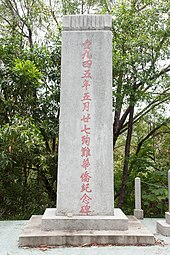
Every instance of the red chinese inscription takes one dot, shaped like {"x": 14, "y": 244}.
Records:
{"x": 86, "y": 163}
{"x": 86, "y": 84}
{"x": 86, "y": 100}
{"x": 85, "y": 209}
{"x": 85, "y": 187}
{"x": 86, "y": 106}
{"x": 87, "y": 44}
{"x": 85, "y": 199}
{"x": 86, "y": 130}
{"x": 85, "y": 177}
{"x": 86, "y": 118}
{"x": 86, "y": 96}
{"x": 87, "y": 74}
{"x": 85, "y": 140}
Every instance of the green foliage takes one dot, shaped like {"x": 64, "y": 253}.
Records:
{"x": 155, "y": 193}
{"x": 24, "y": 161}
{"x": 141, "y": 39}
{"x": 140, "y": 83}
{"x": 151, "y": 164}
{"x": 29, "y": 96}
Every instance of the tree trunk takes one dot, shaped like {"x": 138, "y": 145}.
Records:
{"x": 118, "y": 107}
{"x": 126, "y": 160}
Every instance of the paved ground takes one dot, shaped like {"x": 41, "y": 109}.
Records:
{"x": 10, "y": 230}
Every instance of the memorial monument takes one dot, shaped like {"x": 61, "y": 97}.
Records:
{"x": 85, "y": 210}
{"x": 85, "y": 173}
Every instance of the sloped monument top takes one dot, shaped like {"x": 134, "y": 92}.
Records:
{"x": 87, "y": 22}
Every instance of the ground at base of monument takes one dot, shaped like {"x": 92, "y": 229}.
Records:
{"x": 33, "y": 236}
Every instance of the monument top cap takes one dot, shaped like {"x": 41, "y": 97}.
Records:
{"x": 87, "y": 22}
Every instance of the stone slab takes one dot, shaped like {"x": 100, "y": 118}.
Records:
{"x": 138, "y": 213}
{"x": 33, "y": 236}
{"x": 51, "y": 221}
{"x": 73, "y": 108}
{"x": 167, "y": 217}
{"x": 163, "y": 227}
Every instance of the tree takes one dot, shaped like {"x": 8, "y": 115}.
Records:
{"x": 29, "y": 93}
{"x": 140, "y": 42}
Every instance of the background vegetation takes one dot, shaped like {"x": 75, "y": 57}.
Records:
{"x": 30, "y": 57}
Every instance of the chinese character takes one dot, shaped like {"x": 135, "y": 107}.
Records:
{"x": 86, "y": 106}
{"x": 85, "y": 140}
{"x": 87, "y": 63}
{"x": 86, "y": 84}
{"x": 85, "y": 199}
{"x": 86, "y": 130}
{"x": 85, "y": 177}
{"x": 85, "y": 187}
{"x": 87, "y": 44}
{"x": 85, "y": 209}
{"x": 86, "y": 163}
{"x": 87, "y": 74}
{"x": 86, "y": 97}
{"x": 85, "y": 152}
{"x": 86, "y": 118}
{"x": 86, "y": 54}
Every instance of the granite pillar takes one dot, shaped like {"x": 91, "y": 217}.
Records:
{"x": 138, "y": 212}
{"x": 85, "y": 138}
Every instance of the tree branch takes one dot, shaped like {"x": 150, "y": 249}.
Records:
{"x": 52, "y": 13}
{"x": 150, "y": 134}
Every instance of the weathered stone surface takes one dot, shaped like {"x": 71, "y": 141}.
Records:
{"x": 138, "y": 213}
{"x": 137, "y": 193}
{"x": 100, "y": 123}
{"x": 163, "y": 227}
{"x": 52, "y": 222}
{"x": 87, "y": 22}
{"x": 167, "y": 217}
{"x": 137, "y": 234}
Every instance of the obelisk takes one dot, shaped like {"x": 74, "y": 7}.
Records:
{"x": 85, "y": 189}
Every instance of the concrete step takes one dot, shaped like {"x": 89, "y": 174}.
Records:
{"x": 33, "y": 236}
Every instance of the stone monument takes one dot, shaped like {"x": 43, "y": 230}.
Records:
{"x": 85, "y": 210}
{"x": 163, "y": 226}
{"x": 138, "y": 212}
{"x": 85, "y": 174}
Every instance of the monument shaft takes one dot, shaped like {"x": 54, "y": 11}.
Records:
{"x": 85, "y": 172}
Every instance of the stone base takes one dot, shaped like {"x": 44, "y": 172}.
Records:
{"x": 163, "y": 227}
{"x": 51, "y": 221}
{"x": 33, "y": 236}
{"x": 167, "y": 217}
{"x": 138, "y": 213}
